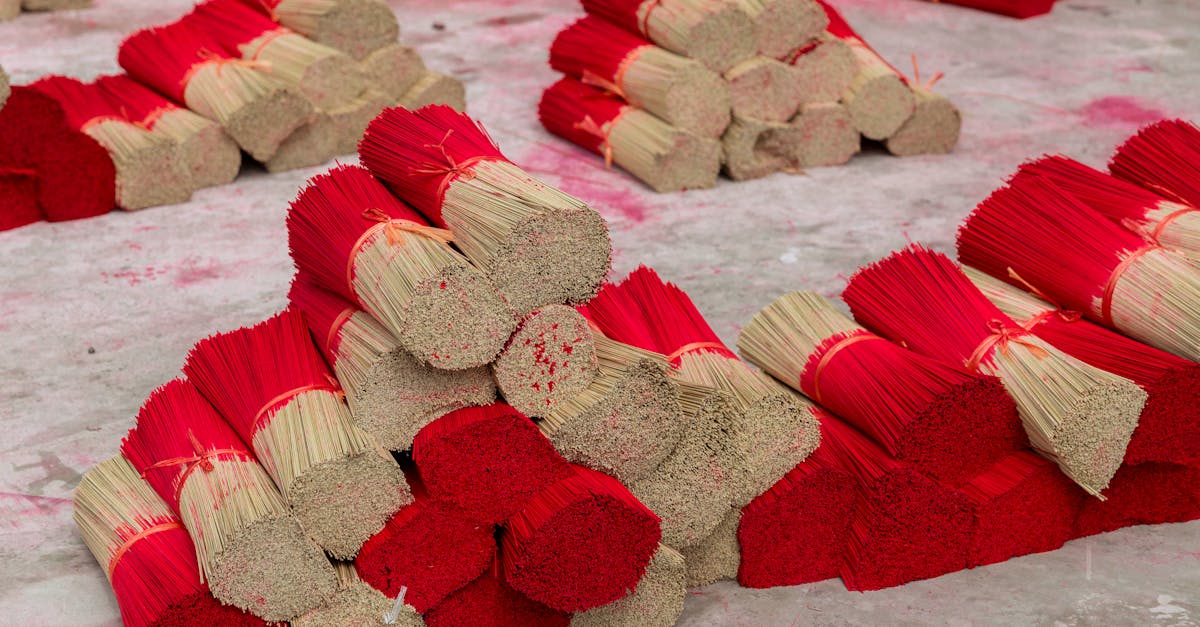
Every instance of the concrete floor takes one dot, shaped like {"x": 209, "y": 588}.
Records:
{"x": 95, "y": 314}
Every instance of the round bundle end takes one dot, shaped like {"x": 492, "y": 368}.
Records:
{"x": 456, "y": 319}
{"x": 210, "y": 157}
{"x": 1166, "y": 431}
{"x": 1091, "y": 438}
{"x": 932, "y": 129}
{"x": 550, "y": 358}
{"x": 264, "y": 123}
{"x": 763, "y": 89}
{"x": 784, "y": 24}
{"x": 149, "y": 170}
{"x": 489, "y": 601}
{"x": 357, "y": 605}
{"x": 825, "y": 71}
{"x": 698, "y": 100}
{"x": 202, "y": 609}
{"x": 657, "y": 601}
{"x": 1145, "y": 494}
{"x": 356, "y": 27}
{"x": 722, "y": 38}
{"x": 312, "y": 144}
{"x": 76, "y": 178}
{"x": 331, "y": 80}
{"x": 343, "y": 502}
{"x": 691, "y": 162}
{"x": 823, "y": 135}
{"x": 756, "y": 148}
{"x": 880, "y": 106}
{"x": 351, "y": 120}
{"x": 434, "y": 88}
{"x": 775, "y": 433}
{"x": 393, "y": 70}
{"x": 1036, "y": 515}
{"x": 716, "y": 558}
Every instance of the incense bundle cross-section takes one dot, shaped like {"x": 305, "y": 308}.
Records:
{"x": 550, "y": 359}
{"x": 356, "y": 27}
{"x": 716, "y": 33}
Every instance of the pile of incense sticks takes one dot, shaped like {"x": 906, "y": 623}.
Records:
{"x": 292, "y": 84}
{"x": 675, "y": 91}
{"x": 10, "y": 9}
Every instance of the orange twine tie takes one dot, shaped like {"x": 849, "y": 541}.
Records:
{"x": 589, "y": 126}
{"x": 202, "y": 459}
{"x": 100, "y": 119}
{"x": 336, "y": 327}
{"x": 452, "y": 170}
{"x": 644, "y": 23}
{"x": 134, "y": 539}
{"x": 827, "y": 357}
{"x": 209, "y": 57}
{"x": 1065, "y": 315}
{"x": 270, "y": 36}
{"x": 1165, "y": 222}
{"x": 693, "y": 347}
{"x": 1111, "y": 286}
{"x": 1001, "y": 337}
{"x": 917, "y": 76}
{"x": 329, "y": 386}
{"x": 394, "y": 228}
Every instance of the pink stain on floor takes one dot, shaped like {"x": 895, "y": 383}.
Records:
{"x": 193, "y": 271}
{"x": 1119, "y": 111}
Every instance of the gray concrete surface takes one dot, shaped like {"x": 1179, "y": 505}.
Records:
{"x": 95, "y": 314}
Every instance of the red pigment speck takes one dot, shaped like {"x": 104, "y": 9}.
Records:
{"x": 1119, "y": 111}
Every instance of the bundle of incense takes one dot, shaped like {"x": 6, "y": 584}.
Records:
{"x": 434, "y": 88}
{"x": 1022, "y": 505}
{"x": 781, "y": 26}
{"x": 948, "y": 422}
{"x": 5, "y": 88}
{"x": 879, "y": 98}
{"x": 538, "y": 245}
{"x": 47, "y": 170}
{"x": 932, "y": 129}
{"x": 716, "y": 33}
{"x": 1166, "y": 430}
{"x": 775, "y": 430}
{"x": 716, "y": 557}
{"x": 1143, "y": 494}
{"x": 550, "y": 359}
{"x": 656, "y": 602}
{"x": 1157, "y": 219}
{"x": 327, "y": 77}
{"x": 145, "y": 552}
{"x": 313, "y": 144}
{"x": 427, "y": 550}
{"x": 148, "y": 169}
{"x": 680, "y": 91}
{"x": 795, "y": 532}
{"x": 1042, "y": 234}
{"x": 356, "y": 604}
{"x": 1164, "y": 157}
{"x": 392, "y": 70}
{"x": 756, "y": 148}
{"x": 356, "y": 27}
{"x": 490, "y": 601}
{"x": 272, "y": 386}
{"x": 350, "y": 121}
{"x": 486, "y": 462}
{"x": 762, "y": 88}
{"x": 581, "y": 543}
{"x": 251, "y": 550}
{"x": 1079, "y": 416}
{"x": 9, "y": 9}
{"x": 626, "y": 422}
{"x": 664, "y": 157}
{"x": 391, "y": 394}
{"x": 54, "y": 5}
{"x": 822, "y": 134}
{"x": 1020, "y": 9}
{"x": 185, "y": 64}
{"x": 822, "y": 70}
{"x": 906, "y": 527}
{"x": 354, "y": 238}
{"x": 208, "y": 156}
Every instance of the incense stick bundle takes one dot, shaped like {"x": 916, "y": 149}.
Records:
{"x": 762, "y": 88}
{"x": 392, "y": 70}
{"x": 1143, "y": 494}
{"x": 54, "y": 5}
{"x": 5, "y": 88}
{"x": 932, "y": 129}
{"x": 1166, "y": 430}
{"x": 680, "y": 91}
{"x": 950, "y": 423}
{"x": 356, "y": 27}
{"x": 775, "y": 429}
{"x": 391, "y": 394}
{"x": 1079, "y": 416}
{"x": 822, "y": 134}
{"x": 656, "y": 602}
{"x": 822, "y": 70}
{"x": 149, "y": 172}
{"x": 795, "y": 532}
{"x": 781, "y": 26}
{"x": 271, "y": 385}
{"x": 1151, "y": 215}
{"x": 907, "y": 526}
{"x": 1086, "y": 263}
{"x": 356, "y": 239}
{"x": 312, "y": 144}
{"x": 350, "y": 121}
{"x": 538, "y": 245}
{"x": 486, "y": 462}
{"x": 1020, "y": 9}
{"x": 252, "y": 551}
{"x": 550, "y": 359}
{"x": 490, "y": 601}
{"x": 185, "y": 64}
{"x": 756, "y": 148}
{"x": 9, "y": 9}
{"x": 434, "y": 88}
{"x": 208, "y": 156}
{"x": 626, "y": 422}
{"x": 357, "y": 604}
{"x": 145, "y": 551}
{"x": 716, "y": 33}
{"x": 1162, "y": 157}
{"x": 327, "y": 77}
{"x": 582, "y": 543}
{"x": 1022, "y": 505}
{"x": 716, "y": 557}
{"x": 879, "y": 99}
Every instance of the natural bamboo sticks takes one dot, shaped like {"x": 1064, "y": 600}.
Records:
{"x": 716, "y": 33}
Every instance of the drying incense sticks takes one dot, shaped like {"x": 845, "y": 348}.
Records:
{"x": 1157, "y": 219}
{"x": 145, "y": 551}
{"x": 626, "y": 422}
{"x": 680, "y": 91}
{"x": 550, "y": 359}
{"x": 716, "y": 33}
{"x": 356, "y": 239}
{"x": 656, "y": 602}
{"x": 1086, "y": 263}
{"x": 1077, "y": 415}
{"x": 582, "y": 543}
{"x": 350, "y": 121}
{"x": 781, "y": 26}
{"x": 762, "y": 88}
{"x": 664, "y": 157}
{"x": 391, "y": 394}
{"x": 1164, "y": 157}
{"x": 1143, "y": 494}
{"x": 148, "y": 168}
{"x": 312, "y": 144}
{"x": 183, "y": 63}
{"x": 358, "y": 604}
{"x": 932, "y": 129}
{"x": 393, "y": 70}
{"x": 757, "y": 148}
{"x": 948, "y": 422}
{"x": 271, "y": 385}
{"x": 823, "y": 70}
{"x": 356, "y": 27}
{"x": 208, "y": 156}
{"x": 1166, "y": 430}
{"x": 822, "y": 134}
{"x": 1022, "y": 505}
{"x": 5, "y": 88}
{"x": 716, "y": 557}
{"x": 490, "y": 601}
{"x": 434, "y": 88}
{"x": 486, "y": 462}
{"x": 252, "y": 551}
{"x": 538, "y": 245}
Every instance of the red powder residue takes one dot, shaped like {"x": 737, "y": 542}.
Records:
{"x": 1120, "y": 111}
{"x": 193, "y": 271}
{"x": 612, "y": 201}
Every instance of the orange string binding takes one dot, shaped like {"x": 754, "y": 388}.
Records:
{"x": 1111, "y": 286}
{"x": 827, "y": 357}
{"x": 1001, "y": 337}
